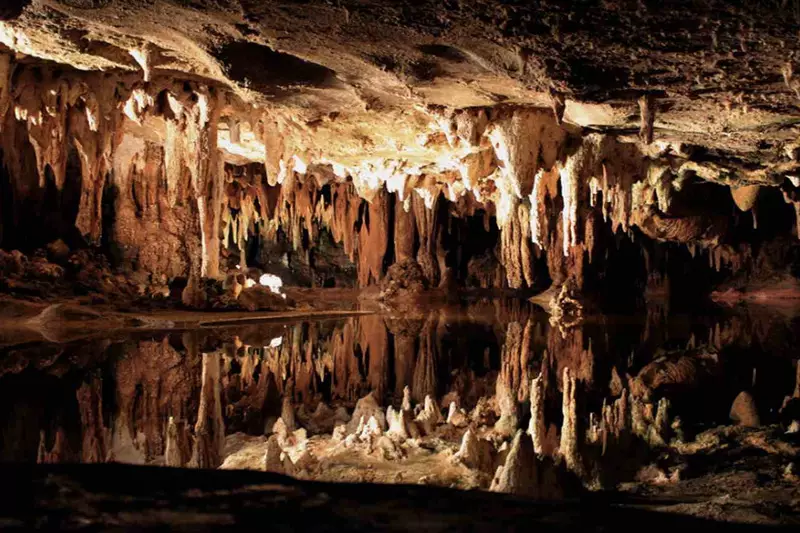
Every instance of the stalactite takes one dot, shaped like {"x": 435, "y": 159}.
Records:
{"x": 373, "y": 239}
{"x": 512, "y": 382}
{"x": 647, "y": 113}
{"x": 425, "y": 215}
{"x": 519, "y": 473}
{"x": 404, "y": 231}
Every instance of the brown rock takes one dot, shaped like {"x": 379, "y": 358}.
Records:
{"x": 744, "y": 411}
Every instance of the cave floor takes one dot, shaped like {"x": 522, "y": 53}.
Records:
{"x": 123, "y": 497}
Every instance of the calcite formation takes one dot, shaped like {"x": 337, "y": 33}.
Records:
{"x": 190, "y": 148}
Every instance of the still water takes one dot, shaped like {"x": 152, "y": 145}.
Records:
{"x": 101, "y": 399}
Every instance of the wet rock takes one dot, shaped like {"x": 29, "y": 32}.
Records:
{"x": 339, "y": 433}
{"x": 234, "y": 284}
{"x": 387, "y": 449}
{"x": 686, "y": 370}
{"x": 744, "y": 411}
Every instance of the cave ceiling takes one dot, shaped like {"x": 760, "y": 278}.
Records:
{"x": 364, "y": 79}
{"x": 545, "y": 114}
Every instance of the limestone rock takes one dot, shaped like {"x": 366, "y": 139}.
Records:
{"x": 406, "y": 406}
{"x": 429, "y": 417}
{"x": 398, "y": 423}
{"x": 474, "y": 452}
{"x": 366, "y": 408}
{"x": 456, "y": 416}
{"x": 518, "y": 474}
{"x": 288, "y": 415}
{"x": 744, "y": 411}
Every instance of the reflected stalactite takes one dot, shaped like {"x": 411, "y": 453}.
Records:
{"x": 513, "y": 380}
{"x": 347, "y": 378}
{"x": 209, "y": 431}
{"x": 405, "y": 333}
{"x": 154, "y": 381}
{"x": 59, "y": 452}
{"x": 373, "y": 340}
{"x": 475, "y": 363}
{"x": 425, "y": 381}
{"x": 95, "y": 436}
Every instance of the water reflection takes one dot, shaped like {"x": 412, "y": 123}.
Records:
{"x": 173, "y": 397}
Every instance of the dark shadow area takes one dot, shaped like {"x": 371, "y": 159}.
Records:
{"x": 137, "y": 498}
{"x": 264, "y": 70}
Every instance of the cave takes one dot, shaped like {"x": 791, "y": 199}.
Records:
{"x": 534, "y": 262}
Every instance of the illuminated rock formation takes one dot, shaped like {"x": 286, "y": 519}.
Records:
{"x": 185, "y": 176}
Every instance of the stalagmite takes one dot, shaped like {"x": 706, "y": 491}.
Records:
{"x": 287, "y": 414}
{"x": 468, "y": 452}
{"x": 661, "y": 424}
{"x": 366, "y": 408}
{"x": 398, "y": 423}
{"x": 519, "y": 473}
{"x": 272, "y": 457}
{"x": 474, "y": 452}
{"x": 406, "y": 406}
{"x": 456, "y": 416}
{"x": 429, "y": 417}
